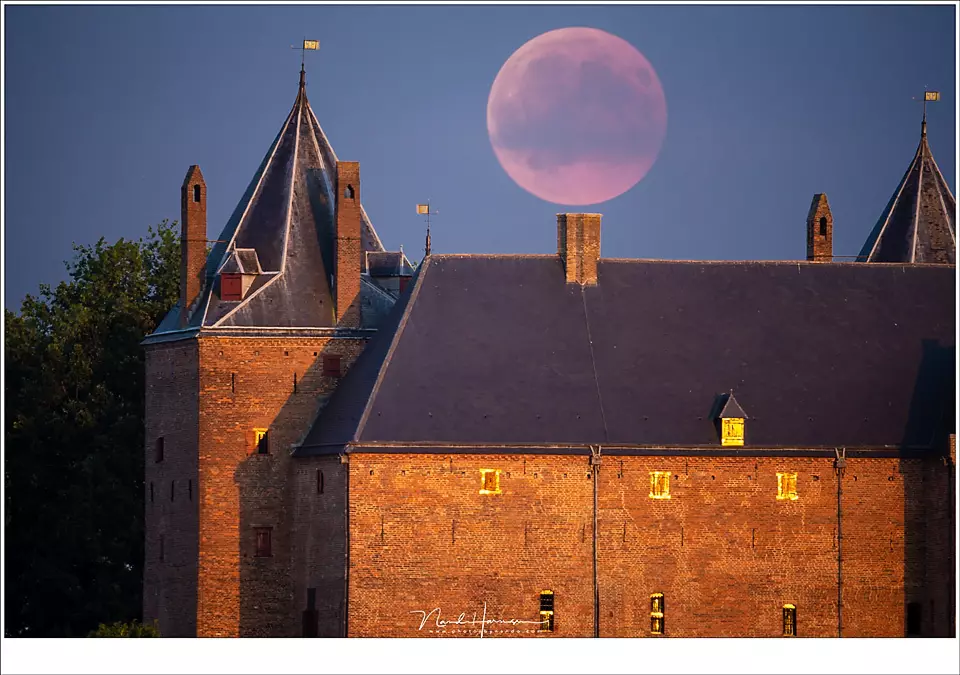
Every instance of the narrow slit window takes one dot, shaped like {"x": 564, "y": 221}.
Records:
{"x": 151, "y": 492}
{"x": 319, "y": 482}
{"x": 914, "y": 618}
{"x": 656, "y": 613}
{"x": 158, "y": 450}
{"x": 789, "y": 621}
{"x": 190, "y": 490}
{"x": 261, "y": 441}
{"x": 489, "y": 481}
{"x": 787, "y": 486}
{"x": 331, "y": 365}
{"x": 233, "y": 383}
{"x": 264, "y": 543}
{"x": 171, "y": 491}
{"x": 546, "y": 612}
{"x": 660, "y": 484}
{"x": 196, "y": 193}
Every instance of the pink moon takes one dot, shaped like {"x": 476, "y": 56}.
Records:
{"x": 577, "y": 116}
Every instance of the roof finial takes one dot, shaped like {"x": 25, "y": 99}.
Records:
{"x": 424, "y": 210}
{"x": 927, "y": 96}
{"x": 307, "y": 44}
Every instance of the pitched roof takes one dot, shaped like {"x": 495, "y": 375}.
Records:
{"x": 388, "y": 264}
{"x": 500, "y": 350}
{"x": 283, "y": 226}
{"x": 918, "y": 223}
{"x": 731, "y": 408}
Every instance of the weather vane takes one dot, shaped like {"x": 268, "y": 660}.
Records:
{"x": 313, "y": 45}
{"x": 424, "y": 210}
{"x": 927, "y": 96}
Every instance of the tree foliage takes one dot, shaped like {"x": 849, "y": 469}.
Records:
{"x": 121, "y": 629}
{"x": 73, "y": 475}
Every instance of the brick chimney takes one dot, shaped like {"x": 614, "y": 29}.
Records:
{"x": 820, "y": 230}
{"x": 578, "y": 244}
{"x": 347, "y": 254}
{"x": 193, "y": 240}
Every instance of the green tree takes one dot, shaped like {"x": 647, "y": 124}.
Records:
{"x": 132, "y": 629}
{"x": 73, "y": 474}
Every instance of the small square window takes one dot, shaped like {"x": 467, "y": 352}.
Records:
{"x": 231, "y": 287}
{"x": 489, "y": 481}
{"x": 261, "y": 440}
{"x": 789, "y": 621}
{"x": 660, "y": 484}
{"x": 331, "y": 365}
{"x": 787, "y": 486}
{"x": 546, "y": 612}
{"x": 158, "y": 450}
{"x": 656, "y": 613}
{"x": 264, "y": 535}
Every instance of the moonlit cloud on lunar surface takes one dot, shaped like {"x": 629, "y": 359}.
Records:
{"x": 576, "y": 116}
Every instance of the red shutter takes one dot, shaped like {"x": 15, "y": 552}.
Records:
{"x": 231, "y": 287}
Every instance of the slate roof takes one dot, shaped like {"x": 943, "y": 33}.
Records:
{"x": 500, "y": 351}
{"x": 283, "y": 226}
{"x": 388, "y": 264}
{"x": 918, "y": 224}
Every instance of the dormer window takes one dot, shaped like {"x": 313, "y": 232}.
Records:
{"x": 731, "y": 422}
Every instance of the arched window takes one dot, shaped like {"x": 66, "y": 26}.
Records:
{"x": 348, "y": 192}
{"x": 823, "y": 226}
{"x": 196, "y": 193}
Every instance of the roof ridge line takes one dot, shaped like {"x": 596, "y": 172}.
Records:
{"x": 916, "y": 210}
{"x": 421, "y": 274}
{"x": 301, "y": 97}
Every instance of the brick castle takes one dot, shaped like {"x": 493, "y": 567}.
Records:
{"x": 340, "y": 444}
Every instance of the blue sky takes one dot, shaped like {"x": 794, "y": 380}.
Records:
{"x": 107, "y": 106}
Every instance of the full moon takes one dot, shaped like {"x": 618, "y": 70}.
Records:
{"x": 576, "y": 116}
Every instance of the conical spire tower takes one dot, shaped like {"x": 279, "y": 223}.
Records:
{"x": 918, "y": 225}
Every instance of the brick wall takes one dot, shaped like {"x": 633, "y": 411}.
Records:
{"x": 422, "y": 538}
{"x": 724, "y": 551}
{"x": 170, "y": 584}
{"x": 319, "y": 540}
{"x": 247, "y": 384}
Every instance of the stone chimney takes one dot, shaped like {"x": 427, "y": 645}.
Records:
{"x": 347, "y": 253}
{"x": 578, "y": 244}
{"x": 193, "y": 240}
{"x": 820, "y": 230}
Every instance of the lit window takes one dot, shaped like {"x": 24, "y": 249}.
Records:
{"x": 263, "y": 541}
{"x": 660, "y": 484}
{"x": 787, "y": 486}
{"x": 732, "y": 431}
{"x": 261, "y": 441}
{"x": 656, "y": 613}
{"x": 489, "y": 481}
{"x": 546, "y": 612}
{"x": 789, "y": 621}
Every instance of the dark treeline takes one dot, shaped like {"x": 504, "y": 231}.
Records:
{"x": 73, "y": 471}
